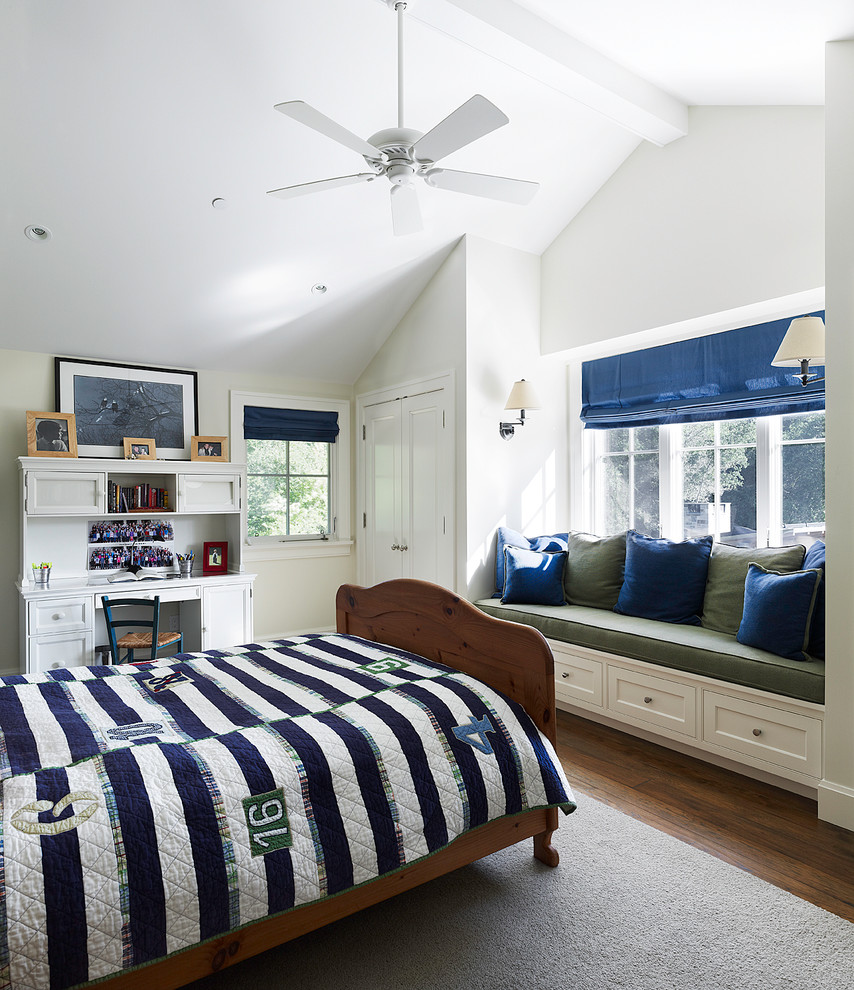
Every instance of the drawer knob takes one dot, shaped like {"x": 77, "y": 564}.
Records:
{"x": 564, "y": 674}
{"x": 54, "y": 666}
{"x": 647, "y": 700}
{"x": 757, "y": 732}
{"x": 57, "y": 616}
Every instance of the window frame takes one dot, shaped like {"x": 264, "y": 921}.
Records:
{"x": 339, "y": 539}
{"x": 769, "y": 475}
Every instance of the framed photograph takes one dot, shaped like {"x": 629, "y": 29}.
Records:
{"x": 140, "y": 448}
{"x": 51, "y": 434}
{"x": 111, "y": 401}
{"x": 209, "y": 448}
{"x": 215, "y": 558}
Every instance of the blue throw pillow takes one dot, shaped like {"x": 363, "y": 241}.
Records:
{"x": 533, "y": 578}
{"x": 509, "y": 537}
{"x": 777, "y": 611}
{"x": 664, "y": 580}
{"x": 815, "y": 558}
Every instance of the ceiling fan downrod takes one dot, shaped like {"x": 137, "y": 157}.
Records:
{"x": 399, "y": 8}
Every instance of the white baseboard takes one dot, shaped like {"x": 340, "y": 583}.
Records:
{"x": 836, "y": 804}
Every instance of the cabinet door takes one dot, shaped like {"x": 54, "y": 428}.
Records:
{"x": 208, "y": 493}
{"x": 52, "y": 652}
{"x": 67, "y": 493}
{"x": 226, "y": 616}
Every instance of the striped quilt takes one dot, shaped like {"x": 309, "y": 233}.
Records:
{"x": 149, "y": 808}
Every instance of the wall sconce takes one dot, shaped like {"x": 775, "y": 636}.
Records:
{"x": 522, "y": 397}
{"x": 804, "y": 342}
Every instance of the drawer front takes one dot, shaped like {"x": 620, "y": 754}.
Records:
{"x": 173, "y": 594}
{"x": 786, "y": 739}
{"x": 660, "y": 702}
{"x": 208, "y": 493}
{"x": 52, "y": 652}
{"x": 578, "y": 679}
{"x": 59, "y": 615}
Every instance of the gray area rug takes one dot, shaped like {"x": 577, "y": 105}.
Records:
{"x": 627, "y": 907}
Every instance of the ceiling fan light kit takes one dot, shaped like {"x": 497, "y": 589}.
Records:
{"x": 402, "y": 154}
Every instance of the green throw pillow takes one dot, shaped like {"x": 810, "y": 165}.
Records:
{"x": 594, "y": 569}
{"x": 724, "y": 602}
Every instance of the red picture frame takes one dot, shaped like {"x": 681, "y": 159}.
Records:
{"x": 215, "y": 557}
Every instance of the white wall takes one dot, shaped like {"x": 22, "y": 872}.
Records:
{"x": 732, "y": 214}
{"x": 521, "y": 482}
{"x": 290, "y": 595}
{"x": 836, "y": 795}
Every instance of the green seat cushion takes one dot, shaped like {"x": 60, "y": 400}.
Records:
{"x": 694, "y": 649}
{"x": 723, "y": 603}
{"x": 594, "y": 569}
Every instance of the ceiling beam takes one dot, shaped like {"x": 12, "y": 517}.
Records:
{"x": 519, "y": 38}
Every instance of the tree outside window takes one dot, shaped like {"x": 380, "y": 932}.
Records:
{"x": 287, "y": 488}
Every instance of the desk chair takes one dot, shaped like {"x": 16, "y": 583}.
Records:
{"x": 151, "y": 641}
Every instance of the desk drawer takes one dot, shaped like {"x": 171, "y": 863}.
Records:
{"x": 578, "y": 679}
{"x": 173, "y": 594}
{"x": 786, "y": 739}
{"x": 661, "y": 702}
{"x": 59, "y": 615}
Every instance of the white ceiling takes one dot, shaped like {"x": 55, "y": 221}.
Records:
{"x": 121, "y": 123}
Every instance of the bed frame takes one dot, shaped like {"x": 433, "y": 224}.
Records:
{"x": 434, "y": 623}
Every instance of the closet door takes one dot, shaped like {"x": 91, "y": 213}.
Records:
{"x": 382, "y": 448}
{"x": 409, "y": 460}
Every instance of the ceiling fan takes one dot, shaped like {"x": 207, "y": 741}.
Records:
{"x": 402, "y": 154}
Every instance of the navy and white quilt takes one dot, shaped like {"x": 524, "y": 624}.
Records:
{"x": 148, "y": 808}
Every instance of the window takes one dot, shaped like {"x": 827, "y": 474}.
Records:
{"x": 748, "y": 482}
{"x": 298, "y": 490}
{"x": 288, "y": 488}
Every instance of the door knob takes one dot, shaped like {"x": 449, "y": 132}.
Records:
{"x": 395, "y": 546}
{"x": 404, "y": 547}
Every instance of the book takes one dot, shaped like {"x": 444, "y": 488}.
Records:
{"x": 135, "y": 573}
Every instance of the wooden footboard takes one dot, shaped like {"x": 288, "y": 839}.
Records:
{"x": 432, "y": 622}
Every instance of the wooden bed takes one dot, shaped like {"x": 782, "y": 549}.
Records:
{"x": 435, "y": 623}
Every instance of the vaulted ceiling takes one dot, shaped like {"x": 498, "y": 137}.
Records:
{"x": 122, "y": 123}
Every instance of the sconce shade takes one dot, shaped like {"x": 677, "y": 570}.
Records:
{"x": 523, "y": 396}
{"x": 804, "y": 341}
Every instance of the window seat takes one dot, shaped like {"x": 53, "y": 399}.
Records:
{"x": 693, "y": 649}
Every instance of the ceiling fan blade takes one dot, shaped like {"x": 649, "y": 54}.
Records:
{"x": 467, "y": 123}
{"x": 288, "y": 192}
{"x": 475, "y": 184}
{"x": 405, "y": 212}
{"x": 324, "y": 125}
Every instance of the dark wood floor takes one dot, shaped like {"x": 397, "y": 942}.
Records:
{"x": 766, "y": 831}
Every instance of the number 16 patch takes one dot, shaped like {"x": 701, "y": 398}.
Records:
{"x": 267, "y": 822}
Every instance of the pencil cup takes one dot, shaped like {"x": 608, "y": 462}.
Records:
{"x": 41, "y": 575}
{"x": 186, "y": 568}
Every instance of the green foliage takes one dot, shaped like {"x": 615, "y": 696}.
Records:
{"x": 288, "y": 487}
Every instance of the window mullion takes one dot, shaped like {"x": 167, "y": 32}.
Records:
{"x": 769, "y": 479}
{"x": 670, "y": 480}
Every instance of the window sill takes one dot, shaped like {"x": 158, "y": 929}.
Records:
{"x": 297, "y": 549}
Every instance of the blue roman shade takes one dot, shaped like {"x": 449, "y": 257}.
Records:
{"x": 262, "y": 423}
{"x": 721, "y": 376}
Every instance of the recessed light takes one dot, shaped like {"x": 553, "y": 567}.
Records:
{"x": 319, "y": 289}
{"x": 219, "y": 203}
{"x": 35, "y": 232}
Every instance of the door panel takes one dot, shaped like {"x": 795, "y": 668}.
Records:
{"x": 382, "y": 503}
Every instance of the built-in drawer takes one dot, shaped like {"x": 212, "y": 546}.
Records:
{"x": 53, "y": 652}
{"x": 59, "y": 615}
{"x": 786, "y": 739}
{"x": 578, "y": 679}
{"x": 668, "y": 704}
{"x": 178, "y": 593}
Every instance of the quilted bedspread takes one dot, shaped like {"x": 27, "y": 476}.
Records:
{"x": 149, "y": 808}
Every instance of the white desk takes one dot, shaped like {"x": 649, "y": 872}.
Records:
{"x": 63, "y": 622}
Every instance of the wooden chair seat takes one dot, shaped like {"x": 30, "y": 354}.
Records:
{"x": 142, "y": 641}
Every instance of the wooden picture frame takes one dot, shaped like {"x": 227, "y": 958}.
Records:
{"x": 215, "y": 557}
{"x": 140, "y": 448}
{"x": 51, "y": 434}
{"x": 110, "y": 400}
{"x": 208, "y": 448}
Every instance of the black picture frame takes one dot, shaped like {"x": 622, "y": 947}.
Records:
{"x": 111, "y": 401}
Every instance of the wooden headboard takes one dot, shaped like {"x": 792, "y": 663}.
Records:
{"x": 435, "y": 623}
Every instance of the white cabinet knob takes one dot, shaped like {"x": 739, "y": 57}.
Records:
{"x": 54, "y": 666}
{"x": 57, "y": 616}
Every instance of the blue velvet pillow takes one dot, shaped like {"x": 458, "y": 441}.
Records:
{"x": 664, "y": 580}
{"x": 778, "y": 610}
{"x": 815, "y": 558}
{"x": 509, "y": 537}
{"x": 533, "y": 578}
